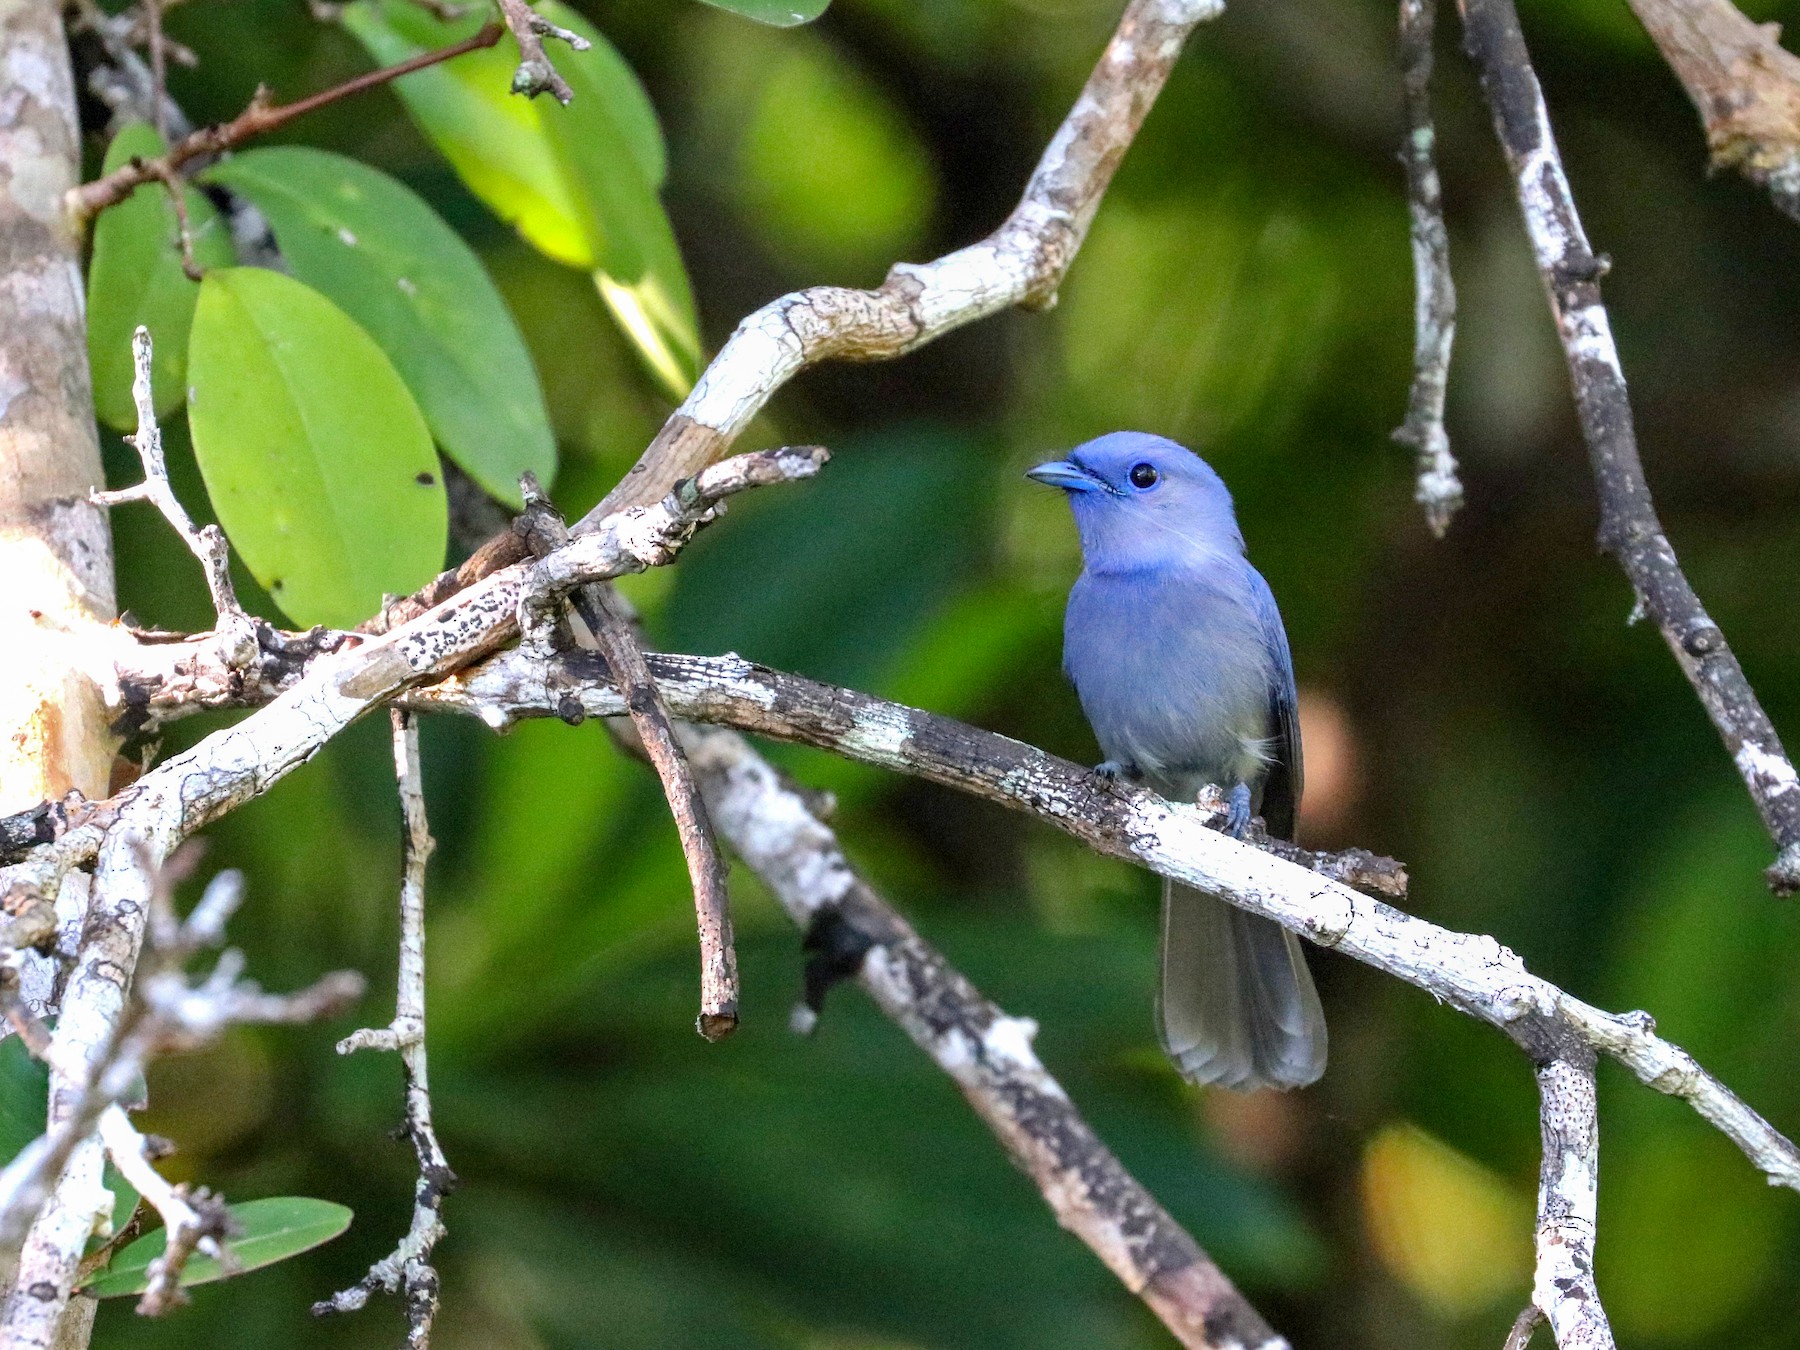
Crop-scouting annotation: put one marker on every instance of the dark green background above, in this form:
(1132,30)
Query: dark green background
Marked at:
(1542,767)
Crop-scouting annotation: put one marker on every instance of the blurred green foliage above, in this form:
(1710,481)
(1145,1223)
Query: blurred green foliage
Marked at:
(1540,765)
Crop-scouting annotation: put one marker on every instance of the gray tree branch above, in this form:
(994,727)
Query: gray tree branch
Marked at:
(1629,528)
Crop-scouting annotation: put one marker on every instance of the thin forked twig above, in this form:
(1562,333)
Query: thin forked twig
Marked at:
(236,630)
(258,119)
(407,1270)
(1439,491)
(1629,528)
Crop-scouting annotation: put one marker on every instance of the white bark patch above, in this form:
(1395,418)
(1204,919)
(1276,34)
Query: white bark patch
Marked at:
(1774,772)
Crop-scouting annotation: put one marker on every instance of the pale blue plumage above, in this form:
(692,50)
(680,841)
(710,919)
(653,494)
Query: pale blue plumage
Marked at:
(1177,651)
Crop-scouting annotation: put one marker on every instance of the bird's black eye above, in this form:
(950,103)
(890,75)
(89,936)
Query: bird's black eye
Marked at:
(1143,475)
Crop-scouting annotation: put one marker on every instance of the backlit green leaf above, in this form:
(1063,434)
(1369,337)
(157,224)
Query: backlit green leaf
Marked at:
(578,182)
(317,459)
(136,278)
(780,13)
(376,250)
(269,1231)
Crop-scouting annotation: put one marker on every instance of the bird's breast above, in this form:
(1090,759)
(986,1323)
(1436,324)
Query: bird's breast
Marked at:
(1173,673)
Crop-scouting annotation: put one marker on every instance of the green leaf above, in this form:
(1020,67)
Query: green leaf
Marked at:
(578,183)
(270,1231)
(24,1097)
(136,278)
(317,460)
(779,13)
(375,249)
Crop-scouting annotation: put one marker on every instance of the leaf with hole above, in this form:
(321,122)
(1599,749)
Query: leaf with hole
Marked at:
(375,249)
(268,1231)
(136,277)
(317,460)
(579,183)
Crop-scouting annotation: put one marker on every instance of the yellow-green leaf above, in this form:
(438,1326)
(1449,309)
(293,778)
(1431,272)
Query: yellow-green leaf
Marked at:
(136,277)
(376,250)
(318,462)
(579,183)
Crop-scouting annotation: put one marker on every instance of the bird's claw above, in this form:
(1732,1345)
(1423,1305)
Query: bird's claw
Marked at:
(1111,771)
(1237,811)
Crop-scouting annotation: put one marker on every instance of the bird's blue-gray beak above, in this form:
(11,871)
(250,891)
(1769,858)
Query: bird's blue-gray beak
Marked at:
(1067,475)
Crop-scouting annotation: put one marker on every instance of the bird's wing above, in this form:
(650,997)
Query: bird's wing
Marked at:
(1281,789)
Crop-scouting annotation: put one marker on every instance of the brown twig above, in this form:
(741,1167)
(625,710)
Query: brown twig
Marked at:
(1629,528)
(259,118)
(536,75)
(1439,490)
(1744,84)
(612,631)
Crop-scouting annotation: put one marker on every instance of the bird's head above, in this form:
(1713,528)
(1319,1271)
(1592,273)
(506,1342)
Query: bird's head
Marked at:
(1140,500)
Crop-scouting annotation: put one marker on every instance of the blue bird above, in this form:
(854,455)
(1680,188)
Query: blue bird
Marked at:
(1178,654)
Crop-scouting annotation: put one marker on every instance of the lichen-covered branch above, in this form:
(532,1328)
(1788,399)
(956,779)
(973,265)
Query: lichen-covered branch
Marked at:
(988,1053)
(1629,528)
(1439,491)
(1744,84)
(152,817)
(407,1270)
(1563,1290)
(1471,972)
(51,1197)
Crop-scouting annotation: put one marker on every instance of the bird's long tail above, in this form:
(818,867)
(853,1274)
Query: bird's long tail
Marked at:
(1237,1006)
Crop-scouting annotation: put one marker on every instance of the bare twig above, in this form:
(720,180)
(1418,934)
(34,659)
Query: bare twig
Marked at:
(987,1053)
(196,1220)
(236,631)
(611,629)
(536,75)
(259,118)
(407,1270)
(1471,972)
(1439,491)
(1021,263)
(1629,528)
(1744,84)
(1568,1189)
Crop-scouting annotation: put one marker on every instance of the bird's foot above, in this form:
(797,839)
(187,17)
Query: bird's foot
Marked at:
(1237,811)
(1112,770)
